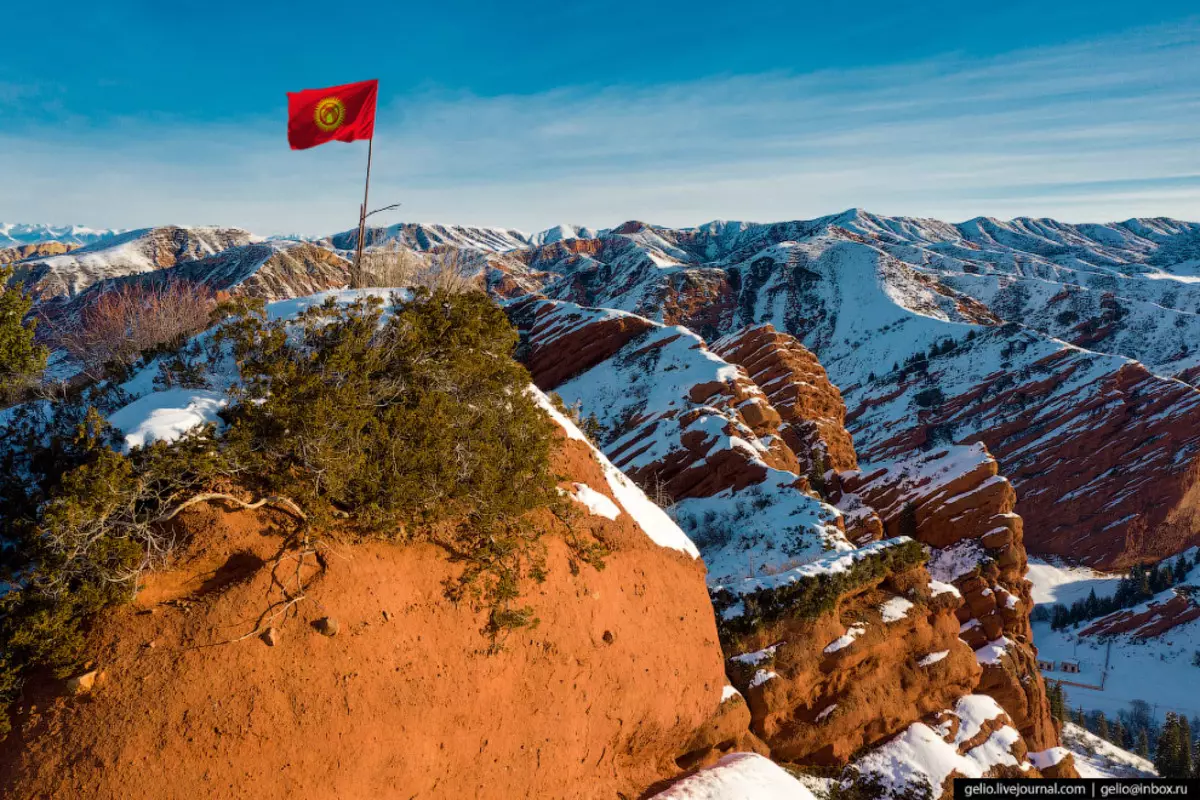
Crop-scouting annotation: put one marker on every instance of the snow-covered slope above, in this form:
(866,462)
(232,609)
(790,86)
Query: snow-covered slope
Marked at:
(739,776)
(422,236)
(1057,582)
(1099,758)
(1141,653)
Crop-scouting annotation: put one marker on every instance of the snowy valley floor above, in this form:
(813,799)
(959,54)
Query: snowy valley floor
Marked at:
(1158,670)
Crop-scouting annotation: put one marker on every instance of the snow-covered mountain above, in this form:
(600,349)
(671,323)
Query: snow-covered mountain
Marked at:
(13,234)
(1100,433)
(421,237)
(1072,351)
(129,253)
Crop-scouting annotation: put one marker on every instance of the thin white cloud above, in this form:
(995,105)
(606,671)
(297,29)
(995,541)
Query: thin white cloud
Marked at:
(1100,130)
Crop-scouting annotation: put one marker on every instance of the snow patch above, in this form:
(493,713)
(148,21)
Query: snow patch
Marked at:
(933,658)
(846,639)
(895,609)
(599,504)
(166,416)
(739,776)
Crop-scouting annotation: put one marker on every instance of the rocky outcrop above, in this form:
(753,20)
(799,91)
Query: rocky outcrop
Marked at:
(955,501)
(824,675)
(887,653)
(622,675)
(1104,455)
(797,387)
(562,340)
(694,430)
(21,252)
(672,413)
(1156,619)
(974,738)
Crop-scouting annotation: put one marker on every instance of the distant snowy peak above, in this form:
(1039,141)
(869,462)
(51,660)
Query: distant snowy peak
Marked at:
(561,233)
(423,237)
(14,234)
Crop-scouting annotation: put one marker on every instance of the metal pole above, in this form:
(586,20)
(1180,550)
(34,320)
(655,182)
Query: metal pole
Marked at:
(362,211)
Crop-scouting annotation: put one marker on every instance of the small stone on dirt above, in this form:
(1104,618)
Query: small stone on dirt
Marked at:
(327,626)
(387,616)
(271,636)
(82,683)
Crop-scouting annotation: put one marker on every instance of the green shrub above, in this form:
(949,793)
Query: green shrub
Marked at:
(420,425)
(413,420)
(400,424)
(81,545)
(21,358)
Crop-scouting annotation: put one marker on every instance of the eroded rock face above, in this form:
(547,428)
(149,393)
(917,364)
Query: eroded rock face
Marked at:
(888,654)
(955,501)
(973,738)
(798,388)
(1104,455)
(693,429)
(623,672)
(673,413)
(966,630)
(1157,619)
(21,252)
(940,334)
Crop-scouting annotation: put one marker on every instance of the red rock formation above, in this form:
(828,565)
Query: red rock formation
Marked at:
(1155,620)
(797,386)
(125,254)
(41,249)
(816,702)
(1106,463)
(955,501)
(564,340)
(622,672)
(717,432)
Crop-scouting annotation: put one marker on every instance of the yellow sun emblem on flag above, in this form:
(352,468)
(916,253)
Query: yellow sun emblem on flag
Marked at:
(329,114)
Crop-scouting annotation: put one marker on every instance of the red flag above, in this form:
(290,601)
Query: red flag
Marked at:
(342,113)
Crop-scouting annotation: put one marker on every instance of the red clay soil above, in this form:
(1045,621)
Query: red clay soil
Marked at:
(403,702)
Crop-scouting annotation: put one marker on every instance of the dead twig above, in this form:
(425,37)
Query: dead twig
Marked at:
(276,500)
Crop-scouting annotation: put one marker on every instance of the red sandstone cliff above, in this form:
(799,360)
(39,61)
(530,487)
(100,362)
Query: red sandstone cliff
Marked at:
(621,676)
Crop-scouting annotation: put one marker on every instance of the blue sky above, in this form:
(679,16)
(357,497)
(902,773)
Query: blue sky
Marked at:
(529,114)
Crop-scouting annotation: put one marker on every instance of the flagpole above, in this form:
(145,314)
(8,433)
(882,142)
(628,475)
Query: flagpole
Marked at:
(362,212)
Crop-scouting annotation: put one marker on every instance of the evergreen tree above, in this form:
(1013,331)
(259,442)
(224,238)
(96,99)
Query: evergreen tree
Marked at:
(1168,756)
(908,520)
(1143,743)
(1186,766)
(21,359)
(1182,568)
(1118,734)
(1060,617)
(1102,726)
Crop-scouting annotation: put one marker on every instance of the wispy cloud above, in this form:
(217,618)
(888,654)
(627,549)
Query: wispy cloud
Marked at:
(1097,130)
